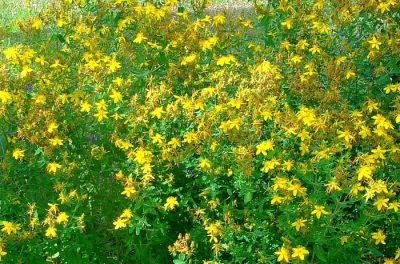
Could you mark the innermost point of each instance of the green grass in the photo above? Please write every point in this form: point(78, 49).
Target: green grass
point(11, 12)
point(18, 9)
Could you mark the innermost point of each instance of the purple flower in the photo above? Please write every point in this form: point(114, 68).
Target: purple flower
point(30, 87)
point(92, 137)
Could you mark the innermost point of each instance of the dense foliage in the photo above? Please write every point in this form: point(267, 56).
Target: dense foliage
point(158, 133)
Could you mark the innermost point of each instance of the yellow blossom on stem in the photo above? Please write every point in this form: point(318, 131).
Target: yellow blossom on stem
point(319, 210)
point(85, 107)
point(129, 191)
point(127, 213)
point(53, 166)
point(56, 141)
point(171, 203)
point(379, 237)
point(394, 205)
point(365, 171)
point(62, 218)
point(299, 252)
point(2, 252)
point(157, 112)
point(397, 254)
point(299, 223)
point(288, 23)
point(139, 38)
point(283, 254)
point(18, 153)
point(37, 24)
point(9, 227)
point(346, 134)
point(51, 232)
point(381, 203)
point(100, 115)
point(120, 223)
point(116, 96)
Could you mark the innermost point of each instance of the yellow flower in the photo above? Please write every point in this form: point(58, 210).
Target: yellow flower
point(85, 107)
point(52, 208)
point(270, 165)
point(188, 59)
point(283, 254)
point(190, 137)
point(287, 23)
point(53, 166)
point(299, 223)
point(157, 112)
point(315, 49)
point(343, 239)
point(226, 60)
point(287, 165)
point(379, 237)
point(276, 199)
point(2, 253)
point(18, 153)
point(374, 43)
point(61, 22)
point(346, 134)
point(365, 171)
point(37, 24)
point(51, 232)
point(101, 114)
point(101, 105)
point(394, 205)
point(158, 139)
point(11, 53)
point(120, 223)
point(174, 143)
point(297, 189)
point(116, 96)
point(383, 7)
point(218, 19)
point(62, 218)
point(5, 96)
point(113, 65)
point(264, 146)
point(128, 191)
point(302, 44)
point(350, 74)
point(139, 38)
point(397, 254)
point(331, 186)
point(10, 227)
point(299, 252)
point(296, 59)
point(127, 213)
point(56, 141)
point(381, 203)
point(52, 126)
point(319, 210)
point(171, 203)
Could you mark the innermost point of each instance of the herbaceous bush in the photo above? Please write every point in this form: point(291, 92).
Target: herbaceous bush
point(146, 133)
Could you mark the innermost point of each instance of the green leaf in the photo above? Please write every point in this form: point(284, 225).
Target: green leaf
point(264, 22)
point(178, 261)
point(248, 197)
point(320, 253)
point(376, 252)
point(3, 145)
